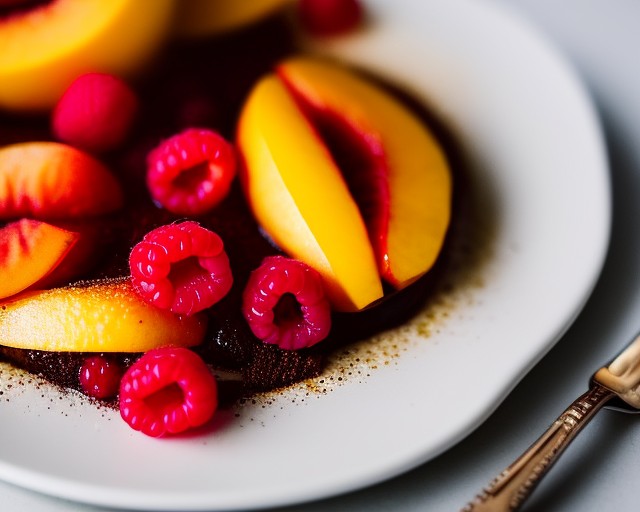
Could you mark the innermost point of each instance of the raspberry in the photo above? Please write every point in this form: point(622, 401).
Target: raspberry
point(284, 304)
point(100, 377)
point(190, 173)
point(181, 267)
point(329, 17)
point(167, 391)
point(95, 113)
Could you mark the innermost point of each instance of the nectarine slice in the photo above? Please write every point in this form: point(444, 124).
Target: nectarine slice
point(49, 180)
point(29, 250)
point(102, 316)
point(300, 198)
point(42, 49)
point(408, 206)
point(344, 177)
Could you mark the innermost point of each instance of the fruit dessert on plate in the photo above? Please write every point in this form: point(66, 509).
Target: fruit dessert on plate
point(194, 210)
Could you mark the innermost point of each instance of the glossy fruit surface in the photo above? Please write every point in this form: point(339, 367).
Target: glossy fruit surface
point(101, 316)
point(409, 209)
point(95, 113)
point(43, 49)
point(284, 304)
point(100, 377)
point(191, 172)
point(298, 195)
point(167, 391)
point(50, 180)
point(181, 267)
point(29, 251)
point(364, 193)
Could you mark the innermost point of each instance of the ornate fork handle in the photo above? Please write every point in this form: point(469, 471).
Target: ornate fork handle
point(514, 485)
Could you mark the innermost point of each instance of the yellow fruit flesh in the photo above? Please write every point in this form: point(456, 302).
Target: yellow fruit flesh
point(300, 198)
point(43, 50)
point(418, 174)
point(29, 250)
point(106, 316)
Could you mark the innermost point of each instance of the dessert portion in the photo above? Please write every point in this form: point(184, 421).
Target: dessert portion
point(189, 223)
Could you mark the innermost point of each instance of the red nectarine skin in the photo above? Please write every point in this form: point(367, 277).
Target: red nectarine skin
point(408, 226)
point(300, 198)
point(48, 180)
point(361, 157)
point(29, 250)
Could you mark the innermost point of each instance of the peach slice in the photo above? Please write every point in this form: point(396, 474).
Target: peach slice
point(198, 18)
point(29, 250)
point(42, 49)
point(300, 198)
point(407, 201)
point(50, 180)
point(356, 147)
point(102, 316)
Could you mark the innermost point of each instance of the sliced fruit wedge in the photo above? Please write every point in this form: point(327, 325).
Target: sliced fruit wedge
point(44, 46)
point(29, 251)
point(300, 198)
point(407, 181)
point(49, 180)
point(344, 177)
point(101, 316)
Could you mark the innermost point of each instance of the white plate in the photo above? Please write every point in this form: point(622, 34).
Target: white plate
point(530, 130)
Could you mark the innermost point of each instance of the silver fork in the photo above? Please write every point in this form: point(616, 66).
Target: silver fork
point(616, 385)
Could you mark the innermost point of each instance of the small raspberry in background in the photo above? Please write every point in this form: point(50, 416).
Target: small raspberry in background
point(191, 172)
point(168, 391)
point(284, 304)
point(182, 267)
point(100, 377)
point(329, 17)
point(96, 113)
